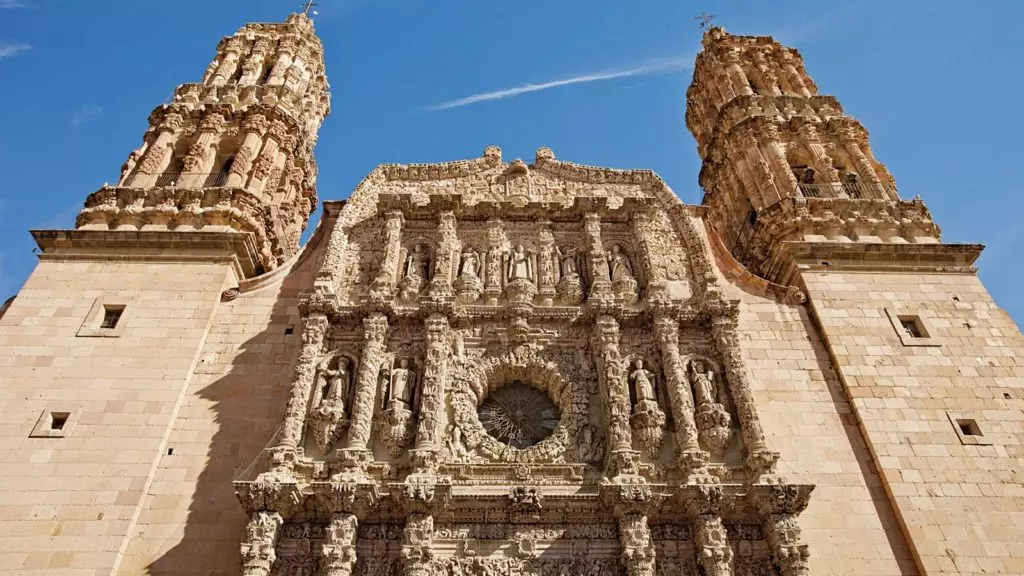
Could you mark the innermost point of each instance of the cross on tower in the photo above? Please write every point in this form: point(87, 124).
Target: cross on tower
point(307, 6)
point(706, 20)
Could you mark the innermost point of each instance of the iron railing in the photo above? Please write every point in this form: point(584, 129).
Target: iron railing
point(855, 190)
point(171, 179)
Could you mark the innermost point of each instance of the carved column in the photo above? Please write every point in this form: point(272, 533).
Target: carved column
point(417, 544)
point(600, 283)
point(261, 535)
point(285, 51)
point(691, 457)
point(759, 459)
point(637, 550)
point(615, 393)
point(431, 406)
point(197, 163)
point(314, 327)
point(375, 328)
point(276, 132)
point(229, 63)
point(447, 258)
point(702, 505)
point(641, 222)
point(254, 127)
point(738, 78)
point(383, 286)
point(156, 158)
point(339, 548)
point(823, 162)
point(494, 272)
point(545, 265)
point(778, 506)
point(777, 155)
point(253, 65)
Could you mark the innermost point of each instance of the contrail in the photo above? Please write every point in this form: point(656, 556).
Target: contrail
point(651, 67)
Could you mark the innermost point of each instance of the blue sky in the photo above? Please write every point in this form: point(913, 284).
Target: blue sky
point(937, 84)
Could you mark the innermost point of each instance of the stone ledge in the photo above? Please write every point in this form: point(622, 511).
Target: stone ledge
point(865, 257)
point(234, 248)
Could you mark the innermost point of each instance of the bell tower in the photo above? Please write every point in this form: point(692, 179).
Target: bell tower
point(783, 163)
point(233, 152)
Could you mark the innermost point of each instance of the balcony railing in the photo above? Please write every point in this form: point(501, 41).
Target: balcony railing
point(168, 179)
point(855, 190)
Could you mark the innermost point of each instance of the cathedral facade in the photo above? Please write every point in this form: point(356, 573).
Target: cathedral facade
point(490, 367)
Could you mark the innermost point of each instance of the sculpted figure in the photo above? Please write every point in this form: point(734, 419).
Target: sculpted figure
point(470, 267)
point(402, 384)
point(417, 263)
point(568, 260)
point(643, 383)
point(519, 265)
point(703, 381)
point(339, 382)
point(619, 267)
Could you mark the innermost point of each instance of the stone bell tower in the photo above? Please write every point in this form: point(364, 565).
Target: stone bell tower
point(783, 163)
point(233, 152)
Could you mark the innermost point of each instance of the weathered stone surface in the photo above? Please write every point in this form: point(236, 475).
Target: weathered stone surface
point(491, 367)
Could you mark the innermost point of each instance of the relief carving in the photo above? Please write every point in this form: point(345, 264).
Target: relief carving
point(332, 394)
point(714, 424)
point(648, 419)
point(400, 388)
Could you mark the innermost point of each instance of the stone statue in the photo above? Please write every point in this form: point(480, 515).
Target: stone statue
point(643, 385)
point(417, 264)
point(519, 265)
point(402, 385)
point(703, 380)
point(619, 267)
point(470, 265)
point(338, 383)
point(568, 261)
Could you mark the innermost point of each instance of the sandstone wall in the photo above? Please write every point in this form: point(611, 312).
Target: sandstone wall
point(960, 496)
point(66, 503)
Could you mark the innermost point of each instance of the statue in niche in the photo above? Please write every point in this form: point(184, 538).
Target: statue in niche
point(416, 272)
point(570, 285)
point(329, 413)
point(703, 381)
point(399, 386)
point(519, 275)
point(648, 419)
point(469, 285)
point(714, 423)
point(519, 265)
point(623, 278)
point(590, 447)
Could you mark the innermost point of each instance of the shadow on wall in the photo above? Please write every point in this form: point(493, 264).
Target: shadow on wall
point(247, 402)
point(865, 462)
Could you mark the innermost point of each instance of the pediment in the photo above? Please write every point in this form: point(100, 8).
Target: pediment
point(489, 179)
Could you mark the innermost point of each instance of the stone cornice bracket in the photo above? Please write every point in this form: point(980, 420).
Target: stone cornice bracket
point(269, 494)
point(347, 496)
point(423, 493)
point(630, 496)
point(777, 506)
point(703, 506)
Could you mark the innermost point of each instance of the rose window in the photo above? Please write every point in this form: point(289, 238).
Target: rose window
point(519, 415)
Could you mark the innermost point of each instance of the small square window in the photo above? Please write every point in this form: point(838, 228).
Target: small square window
point(58, 420)
point(969, 427)
point(911, 326)
point(53, 424)
point(111, 316)
point(912, 329)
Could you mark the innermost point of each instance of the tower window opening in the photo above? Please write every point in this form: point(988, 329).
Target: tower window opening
point(267, 71)
point(752, 217)
point(969, 427)
point(851, 185)
point(111, 316)
point(912, 327)
point(58, 420)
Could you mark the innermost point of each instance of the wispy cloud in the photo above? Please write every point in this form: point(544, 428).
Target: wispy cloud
point(85, 113)
point(11, 49)
point(12, 4)
point(650, 67)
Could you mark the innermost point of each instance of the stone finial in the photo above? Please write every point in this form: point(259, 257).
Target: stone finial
point(493, 153)
point(544, 153)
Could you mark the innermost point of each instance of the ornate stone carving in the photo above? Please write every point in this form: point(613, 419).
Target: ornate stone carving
point(570, 283)
point(620, 270)
point(714, 424)
point(637, 551)
point(261, 534)
point(339, 547)
point(400, 386)
point(375, 329)
point(331, 398)
point(648, 420)
point(416, 272)
point(469, 285)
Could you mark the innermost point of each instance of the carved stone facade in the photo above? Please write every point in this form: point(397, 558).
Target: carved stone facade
point(508, 368)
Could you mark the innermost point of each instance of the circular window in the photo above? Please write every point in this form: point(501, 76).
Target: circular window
point(519, 415)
